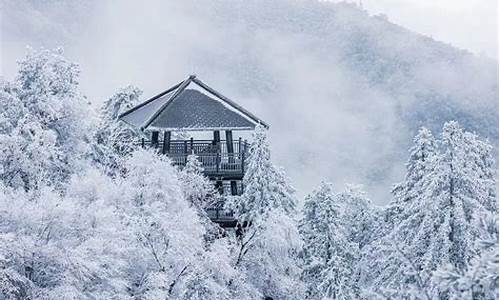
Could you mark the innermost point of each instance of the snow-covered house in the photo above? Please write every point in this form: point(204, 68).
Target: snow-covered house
point(193, 109)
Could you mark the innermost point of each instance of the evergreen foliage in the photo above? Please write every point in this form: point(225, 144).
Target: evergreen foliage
point(439, 224)
point(266, 186)
point(329, 256)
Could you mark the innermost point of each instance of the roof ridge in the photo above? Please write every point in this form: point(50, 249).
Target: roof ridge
point(180, 88)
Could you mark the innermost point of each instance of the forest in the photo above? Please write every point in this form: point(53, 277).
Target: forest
point(85, 214)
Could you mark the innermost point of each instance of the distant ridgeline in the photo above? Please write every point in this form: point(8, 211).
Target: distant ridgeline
point(339, 49)
point(338, 70)
point(192, 106)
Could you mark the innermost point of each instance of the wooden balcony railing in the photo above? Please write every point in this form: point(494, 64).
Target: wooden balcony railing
point(216, 159)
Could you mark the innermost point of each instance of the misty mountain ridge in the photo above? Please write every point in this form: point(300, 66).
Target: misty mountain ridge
point(415, 70)
point(343, 91)
point(314, 61)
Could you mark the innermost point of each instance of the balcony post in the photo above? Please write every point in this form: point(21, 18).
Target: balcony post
point(231, 160)
point(243, 163)
point(217, 160)
point(243, 154)
point(185, 151)
point(216, 143)
point(166, 142)
point(216, 137)
point(154, 139)
point(229, 146)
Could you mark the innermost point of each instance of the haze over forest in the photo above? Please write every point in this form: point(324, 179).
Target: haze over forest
point(343, 91)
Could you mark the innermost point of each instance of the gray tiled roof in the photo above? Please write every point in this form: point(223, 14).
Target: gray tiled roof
point(192, 109)
point(183, 108)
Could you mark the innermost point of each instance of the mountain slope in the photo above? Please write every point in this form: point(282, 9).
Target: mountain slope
point(343, 91)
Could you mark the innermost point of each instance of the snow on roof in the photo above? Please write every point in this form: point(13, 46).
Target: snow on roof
point(196, 108)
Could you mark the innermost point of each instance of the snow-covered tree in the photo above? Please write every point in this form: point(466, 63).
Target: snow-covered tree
point(439, 226)
point(266, 209)
point(134, 236)
point(68, 230)
point(479, 280)
point(266, 186)
point(11, 107)
point(172, 256)
point(401, 218)
point(48, 88)
point(285, 198)
point(358, 215)
point(165, 225)
point(200, 193)
point(422, 156)
point(196, 187)
point(115, 134)
point(43, 133)
point(42, 240)
point(482, 162)
point(455, 192)
point(329, 257)
point(114, 139)
point(268, 255)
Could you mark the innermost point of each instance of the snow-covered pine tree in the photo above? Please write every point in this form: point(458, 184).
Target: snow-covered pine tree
point(401, 219)
point(267, 207)
point(266, 187)
point(457, 193)
point(329, 257)
point(481, 159)
point(479, 280)
point(285, 198)
point(439, 226)
point(422, 156)
point(359, 216)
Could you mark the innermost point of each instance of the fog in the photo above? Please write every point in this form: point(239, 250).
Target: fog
point(330, 119)
point(467, 24)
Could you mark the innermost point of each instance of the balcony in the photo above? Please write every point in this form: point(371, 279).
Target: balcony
point(217, 160)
